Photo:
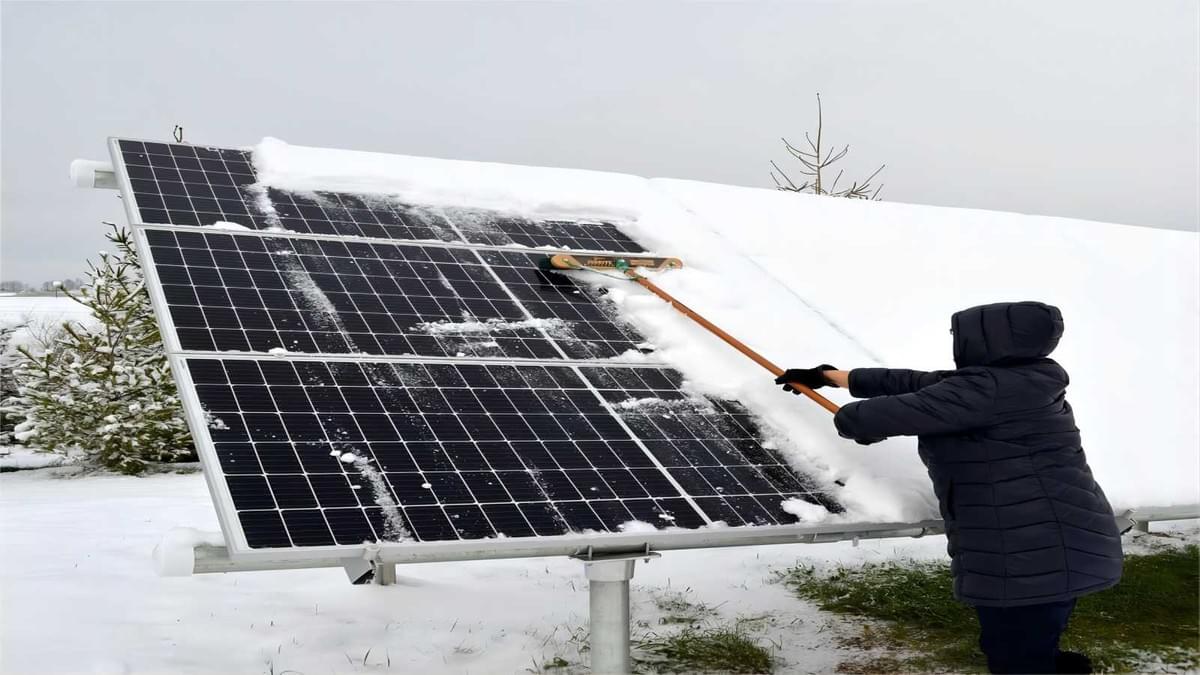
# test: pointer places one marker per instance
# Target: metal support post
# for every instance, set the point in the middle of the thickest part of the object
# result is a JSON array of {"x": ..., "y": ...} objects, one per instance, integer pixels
[
  {"x": 385, "y": 574},
  {"x": 608, "y": 609},
  {"x": 608, "y": 615}
]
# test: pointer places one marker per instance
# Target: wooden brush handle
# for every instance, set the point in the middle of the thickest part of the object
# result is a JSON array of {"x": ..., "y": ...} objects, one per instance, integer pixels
[{"x": 730, "y": 340}]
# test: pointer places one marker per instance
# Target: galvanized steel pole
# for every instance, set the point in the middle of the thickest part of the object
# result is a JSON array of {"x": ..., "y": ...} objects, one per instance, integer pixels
[{"x": 608, "y": 612}]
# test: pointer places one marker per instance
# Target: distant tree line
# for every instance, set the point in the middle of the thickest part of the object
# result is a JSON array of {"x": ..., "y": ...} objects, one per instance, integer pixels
[{"x": 18, "y": 286}]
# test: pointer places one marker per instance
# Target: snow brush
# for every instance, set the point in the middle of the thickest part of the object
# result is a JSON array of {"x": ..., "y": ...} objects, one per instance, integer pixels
[{"x": 628, "y": 267}]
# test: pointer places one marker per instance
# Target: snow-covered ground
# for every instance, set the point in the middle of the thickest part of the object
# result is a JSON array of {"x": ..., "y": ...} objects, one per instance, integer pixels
[
  {"x": 18, "y": 458},
  {"x": 78, "y": 594},
  {"x": 76, "y": 562}
]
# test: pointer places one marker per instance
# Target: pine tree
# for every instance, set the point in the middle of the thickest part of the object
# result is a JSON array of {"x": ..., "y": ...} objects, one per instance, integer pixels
[
  {"x": 8, "y": 386},
  {"x": 105, "y": 389}
]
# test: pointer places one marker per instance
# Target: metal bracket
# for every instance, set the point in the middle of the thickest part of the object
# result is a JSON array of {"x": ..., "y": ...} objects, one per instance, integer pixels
[
  {"x": 589, "y": 555},
  {"x": 369, "y": 568}
]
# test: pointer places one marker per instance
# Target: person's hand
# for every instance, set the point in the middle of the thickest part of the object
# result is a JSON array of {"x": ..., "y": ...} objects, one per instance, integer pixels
[{"x": 813, "y": 378}]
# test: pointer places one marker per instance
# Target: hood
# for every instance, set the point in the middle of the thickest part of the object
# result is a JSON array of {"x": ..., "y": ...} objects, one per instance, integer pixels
[{"x": 1005, "y": 332}]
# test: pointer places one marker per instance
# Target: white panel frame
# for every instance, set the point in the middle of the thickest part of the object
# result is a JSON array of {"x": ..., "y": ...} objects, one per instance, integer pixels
[{"x": 413, "y": 551}]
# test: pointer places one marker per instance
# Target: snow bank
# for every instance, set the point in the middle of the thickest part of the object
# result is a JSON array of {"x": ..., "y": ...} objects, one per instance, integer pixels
[
  {"x": 17, "y": 458},
  {"x": 532, "y": 190},
  {"x": 807, "y": 280},
  {"x": 39, "y": 317}
]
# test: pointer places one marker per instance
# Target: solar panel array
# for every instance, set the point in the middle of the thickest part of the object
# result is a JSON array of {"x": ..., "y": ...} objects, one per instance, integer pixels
[{"x": 369, "y": 370}]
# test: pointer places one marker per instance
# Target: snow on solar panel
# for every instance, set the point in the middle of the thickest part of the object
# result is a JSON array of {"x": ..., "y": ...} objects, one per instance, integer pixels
[{"x": 427, "y": 380}]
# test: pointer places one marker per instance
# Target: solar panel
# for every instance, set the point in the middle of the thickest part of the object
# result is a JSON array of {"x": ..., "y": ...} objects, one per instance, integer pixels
[
  {"x": 372, "y": 371},
  {"x": 246, "y": 292},
  {"x": 466, "y": 451},
  {"x": 191, "y": 185}
]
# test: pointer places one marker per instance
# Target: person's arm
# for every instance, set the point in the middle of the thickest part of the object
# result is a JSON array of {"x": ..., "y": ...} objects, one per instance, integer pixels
[
  {"x": 862, "y": 382},
  {"x": 838, "y": 378},
  {"x": 953, "y": 405},
  {"x": 872, "y": 382}
]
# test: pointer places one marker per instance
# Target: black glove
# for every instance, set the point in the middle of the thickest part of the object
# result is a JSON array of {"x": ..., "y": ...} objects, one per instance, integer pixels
[{"x": 813, "y": 378}]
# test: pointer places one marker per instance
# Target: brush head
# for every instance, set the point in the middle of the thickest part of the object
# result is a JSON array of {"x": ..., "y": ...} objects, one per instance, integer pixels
[{"x": 566, "y": 261}]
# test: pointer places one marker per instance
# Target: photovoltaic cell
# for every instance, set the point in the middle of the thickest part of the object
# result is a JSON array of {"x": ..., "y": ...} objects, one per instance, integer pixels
[{"x": 437, "y": 452}]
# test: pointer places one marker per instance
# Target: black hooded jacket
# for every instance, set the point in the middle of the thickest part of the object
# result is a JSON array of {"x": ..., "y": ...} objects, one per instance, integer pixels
[{"x": 1025, "y": 520}]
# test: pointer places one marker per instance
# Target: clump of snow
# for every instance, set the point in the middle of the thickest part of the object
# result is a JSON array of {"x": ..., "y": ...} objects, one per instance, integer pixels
[
  {"x": 174, "y": 557},
  {"x": 278, "y": 351},
  {"x": 805, "y": 512},
  {"x": 215, "y": 423},
  {"x": 226, "y": 225},
  {"x": 637, "y": 526},
  {"x": 666, "y": 408}
]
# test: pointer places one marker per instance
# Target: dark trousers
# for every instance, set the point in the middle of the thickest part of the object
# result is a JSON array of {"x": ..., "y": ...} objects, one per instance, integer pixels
[{"x": 1023, "y": 639}]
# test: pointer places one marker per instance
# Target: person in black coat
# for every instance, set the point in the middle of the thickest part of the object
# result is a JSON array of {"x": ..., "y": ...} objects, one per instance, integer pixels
[{"x": 1028, "y": 528}]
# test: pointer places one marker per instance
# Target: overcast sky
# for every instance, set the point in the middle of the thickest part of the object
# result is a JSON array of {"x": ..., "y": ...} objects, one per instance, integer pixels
[{"x": 1082, "y": 109}]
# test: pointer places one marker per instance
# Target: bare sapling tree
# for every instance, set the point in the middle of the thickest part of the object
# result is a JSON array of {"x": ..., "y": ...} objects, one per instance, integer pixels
[{"x": 814, "y": 163}]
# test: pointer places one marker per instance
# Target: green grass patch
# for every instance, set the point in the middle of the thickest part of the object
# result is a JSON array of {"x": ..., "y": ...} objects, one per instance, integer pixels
[
  {"x": 681, "y": 607},
  {"x": 1151, "y": 614},
  {"x": 720, "y": 649}
]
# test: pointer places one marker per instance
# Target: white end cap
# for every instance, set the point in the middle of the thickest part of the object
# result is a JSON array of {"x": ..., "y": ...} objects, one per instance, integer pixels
[{"x": 87, "y": 173}]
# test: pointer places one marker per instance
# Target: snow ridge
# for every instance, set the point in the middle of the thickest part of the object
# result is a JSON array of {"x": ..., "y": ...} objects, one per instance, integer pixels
[
  {"x": 552, "y": 327},
  {"x": 315, "y": 300},
  {"x": 394, "y": 527}
]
